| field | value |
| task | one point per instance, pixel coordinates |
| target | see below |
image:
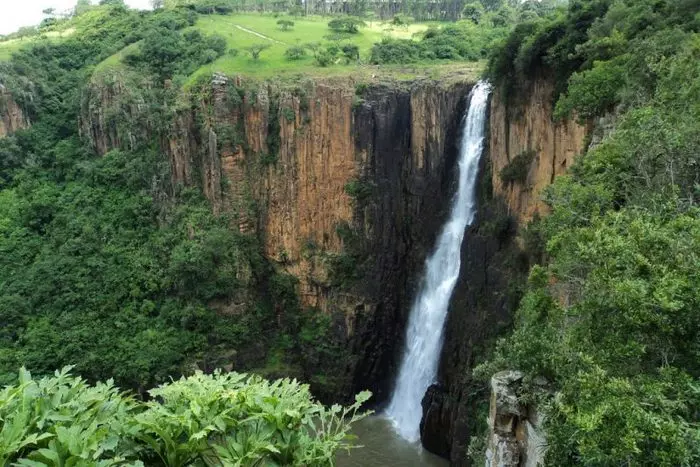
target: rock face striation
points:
(345, 183)
(516, 438)
(12, 117)
(494, 261)
(527, 126)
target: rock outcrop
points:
(344, 183)
(516, 438)
(523, 126)
(12, 117)
(494, 264)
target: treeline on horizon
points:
(504, 11)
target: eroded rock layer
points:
(12, 117)
(345, 183)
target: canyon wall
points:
(494, 262)
(344, 182)
(525, 126)
(12, 117)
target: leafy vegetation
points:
(256, 49)
(516, 170)
(346, 24)
(471, 39)
(219, 419)
(285, 24)
(110, 266)
(610, 319)
(166, 52)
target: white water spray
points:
(426, 321)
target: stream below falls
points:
(384, 447)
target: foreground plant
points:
(219, 419)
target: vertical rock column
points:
(515, 439)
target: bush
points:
(346, 24)
(593, 92)
(295, 52)
(351, 52)
(359, 190)
(256, 49)
(395, 51)
(516, 170)
(285, 24)
(224, 418)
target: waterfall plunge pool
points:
(384, 447)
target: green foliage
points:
(517, 169)
(351, 53)
(401, 21)
(285, 24)
(64, 421)
(219, 419)
(295, 52)
(474, 12)
(463, 41)
(611, 318)
(346, 24)
(256, 49)
(166, 52)
(359, 190)
(288, 114)
(593, 92)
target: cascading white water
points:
(426, 321)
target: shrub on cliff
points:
(516, 170)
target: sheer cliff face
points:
(528, 126)
(326, 173)
(494, 266)
(12, 118)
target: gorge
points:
(400, 140)
(225, 224)
(426, 322)
(367, 170)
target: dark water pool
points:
(384, 448)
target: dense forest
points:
(611, 317)
(116, 272)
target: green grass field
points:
(244, 30)
(7, 48)
(272, 61)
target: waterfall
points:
(426, 322)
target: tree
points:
(474, 12)
(156, 4)
(401, 21)
(255, 50)
(285, 24)
(295, 52)
(346, 24)
(296, 11)
(351, 52)
(82, 6)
